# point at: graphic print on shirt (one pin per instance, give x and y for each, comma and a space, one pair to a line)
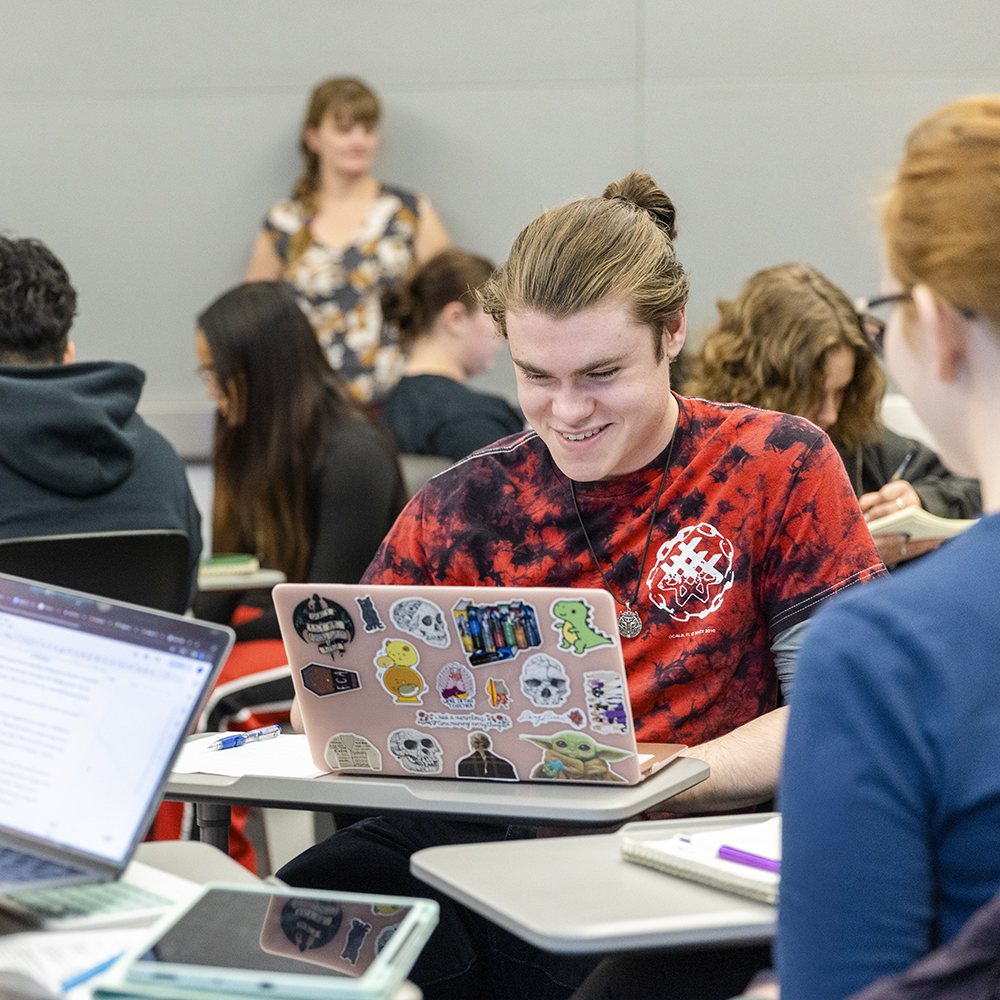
692, 573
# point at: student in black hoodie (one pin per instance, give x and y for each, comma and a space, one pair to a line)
74, 454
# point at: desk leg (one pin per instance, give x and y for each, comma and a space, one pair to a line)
212, 820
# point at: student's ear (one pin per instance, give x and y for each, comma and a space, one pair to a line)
309, 139
453, 314
674, 333
946, 332
69, 355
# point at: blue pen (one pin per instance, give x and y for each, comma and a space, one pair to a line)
238, 739
81, 977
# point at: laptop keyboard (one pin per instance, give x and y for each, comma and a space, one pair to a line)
16, 866
90, 900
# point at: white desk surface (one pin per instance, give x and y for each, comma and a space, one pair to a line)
579, 895
526, 802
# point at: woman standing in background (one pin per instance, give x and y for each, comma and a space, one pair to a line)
791, 341
344, 236
447, 338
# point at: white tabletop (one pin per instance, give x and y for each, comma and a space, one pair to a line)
579, 895
525, 801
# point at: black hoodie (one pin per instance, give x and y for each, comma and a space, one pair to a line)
75, 456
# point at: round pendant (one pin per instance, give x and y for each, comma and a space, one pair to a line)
629, 624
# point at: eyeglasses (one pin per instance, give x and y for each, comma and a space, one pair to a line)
873, 316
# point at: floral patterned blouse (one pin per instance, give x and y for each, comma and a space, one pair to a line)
340, 289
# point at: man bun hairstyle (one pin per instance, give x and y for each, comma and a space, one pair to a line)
619, 247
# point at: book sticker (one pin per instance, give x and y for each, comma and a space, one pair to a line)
456, 687
344, 750
419, 753
574, 623
494, 632
323, 680
544, 681
324, 623
575, 757
605, 695
422, 619
369, 615
395, 663
482, 762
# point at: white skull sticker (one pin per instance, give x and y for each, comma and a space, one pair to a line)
422, 619
544, 681
418, 752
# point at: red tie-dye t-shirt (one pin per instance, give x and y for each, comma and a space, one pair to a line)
756, 526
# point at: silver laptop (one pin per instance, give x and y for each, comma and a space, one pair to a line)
490, 683
97, 697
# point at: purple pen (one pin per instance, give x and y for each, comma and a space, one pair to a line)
752, 860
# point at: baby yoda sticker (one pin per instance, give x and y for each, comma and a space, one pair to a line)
605, 695
325, 623
544, 681
395, 662
456, 687
419, 753
422, 619
369, 615
574, 623
575, 757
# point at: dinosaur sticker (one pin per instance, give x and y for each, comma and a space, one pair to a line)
574, 623
575, 757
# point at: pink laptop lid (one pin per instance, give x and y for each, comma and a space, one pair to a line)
503, 684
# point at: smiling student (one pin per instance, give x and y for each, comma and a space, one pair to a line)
716, 528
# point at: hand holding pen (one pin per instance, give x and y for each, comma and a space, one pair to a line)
897, 494
231, 740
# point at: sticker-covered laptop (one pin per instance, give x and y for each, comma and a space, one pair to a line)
97, 697
503, 684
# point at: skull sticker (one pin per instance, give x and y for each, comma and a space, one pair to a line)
419, 753
421, 619
544, 681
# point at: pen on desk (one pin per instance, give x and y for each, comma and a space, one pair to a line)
746, 858
903, 466
82, 977
238, 739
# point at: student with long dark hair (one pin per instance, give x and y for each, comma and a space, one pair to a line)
303, 480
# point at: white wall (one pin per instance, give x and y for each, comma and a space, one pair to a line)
143, 142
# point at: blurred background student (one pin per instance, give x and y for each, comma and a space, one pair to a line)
447, 338
344, 236
303, 480
792, 341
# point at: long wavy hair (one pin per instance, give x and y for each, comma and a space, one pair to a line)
284, 401
770, 345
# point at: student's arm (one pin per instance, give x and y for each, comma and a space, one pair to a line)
745, 763
265, 264
431, 237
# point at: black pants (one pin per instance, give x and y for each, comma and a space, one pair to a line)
468, 957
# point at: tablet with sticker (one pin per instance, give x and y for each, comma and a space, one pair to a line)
293, 944
481, 683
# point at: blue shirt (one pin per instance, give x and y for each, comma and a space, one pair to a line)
891, 783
